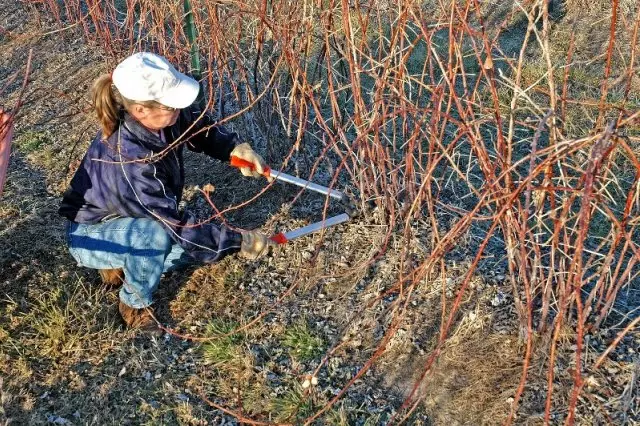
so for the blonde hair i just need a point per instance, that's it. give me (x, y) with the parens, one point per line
(108, 104)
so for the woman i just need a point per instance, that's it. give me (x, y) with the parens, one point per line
(122, 204)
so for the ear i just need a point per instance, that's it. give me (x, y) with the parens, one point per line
(140, 111)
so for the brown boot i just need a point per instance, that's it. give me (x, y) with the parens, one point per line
(112, 277)
(139, 319)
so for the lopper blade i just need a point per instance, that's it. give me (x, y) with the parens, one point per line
(281, 176)
(285, 237)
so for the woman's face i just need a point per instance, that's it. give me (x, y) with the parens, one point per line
(154, 118)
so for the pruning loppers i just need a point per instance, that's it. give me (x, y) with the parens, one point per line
(346, 202)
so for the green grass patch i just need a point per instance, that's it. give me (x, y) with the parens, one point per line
(291, 406)
(302, 343)
(43, 151)
(33, 141)
(226, 351)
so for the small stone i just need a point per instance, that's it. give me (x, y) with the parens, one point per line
(498, 299)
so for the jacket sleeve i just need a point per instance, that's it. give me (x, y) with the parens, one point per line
(207, 137)
(148, 197)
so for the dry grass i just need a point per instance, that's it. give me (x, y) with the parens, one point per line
(474, 379)
(220, 282)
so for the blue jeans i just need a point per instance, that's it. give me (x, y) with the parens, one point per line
(141, 247)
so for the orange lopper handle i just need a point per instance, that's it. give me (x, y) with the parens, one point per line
(240, 163)
(279, 238)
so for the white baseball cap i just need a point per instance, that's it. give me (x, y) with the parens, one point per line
(146, 76)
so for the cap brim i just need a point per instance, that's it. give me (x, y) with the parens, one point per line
(183, 94)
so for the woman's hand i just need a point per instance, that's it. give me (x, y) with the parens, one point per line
(255, 245)
(245, 152)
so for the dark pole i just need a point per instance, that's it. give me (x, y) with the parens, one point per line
(190, 30)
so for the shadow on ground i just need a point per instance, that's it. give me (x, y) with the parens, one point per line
(64, 354)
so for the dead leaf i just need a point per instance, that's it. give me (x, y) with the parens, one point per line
(591, 382)
(488, 63)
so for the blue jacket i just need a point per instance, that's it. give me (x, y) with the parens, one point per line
(117, 178)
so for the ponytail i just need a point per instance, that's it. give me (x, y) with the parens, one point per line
(106, 105)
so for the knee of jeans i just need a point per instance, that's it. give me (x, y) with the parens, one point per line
(155, 233)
